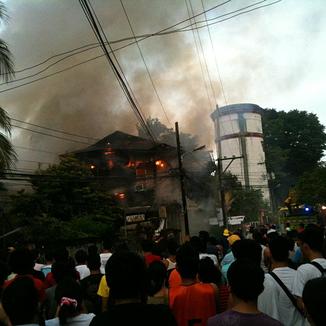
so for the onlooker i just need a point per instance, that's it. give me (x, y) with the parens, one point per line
(191, 302)
(209, 273)
(46, 269)
(81, 260)
(277, 299)
(246, 283)
(156, 290)
(126, 278)
(147, 246)
(314, 298)
(91, 283)
(68, 295)
(311, 244)
(105, 254)
(21, 263)
(170, 261)
(20, 302)
(228, 259)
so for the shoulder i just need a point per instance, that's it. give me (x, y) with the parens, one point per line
(52, 322)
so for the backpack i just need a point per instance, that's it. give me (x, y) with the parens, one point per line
(319, 267)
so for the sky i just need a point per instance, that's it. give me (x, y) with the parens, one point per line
(273, 57)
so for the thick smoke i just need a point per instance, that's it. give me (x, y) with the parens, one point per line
(87, 100)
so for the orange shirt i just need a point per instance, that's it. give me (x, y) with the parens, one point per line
(174, 279)
(192, 305)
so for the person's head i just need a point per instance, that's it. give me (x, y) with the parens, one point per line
(61, 270)
(198, 244)
(92, 250)
(81, 257)
(314, 297)
(125, 274)
(258, 236)
(48, 256)
(94, 262)
(147, 245)
(21, 261)
(208, 272)
(279, 249)
(246, 280)
(20, 301)
(187, 259)
(311, 240)
(156, 275)
(68, 295)
(60, 254)
(107, 244)
(172, 247)
(232, 239)
(247, 249)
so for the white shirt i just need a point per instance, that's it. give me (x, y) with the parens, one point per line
(104, 258)
(274, 302)
(212, 257)
(80, 320)
(83, 271)
(305, 273)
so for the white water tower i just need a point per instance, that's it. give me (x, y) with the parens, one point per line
(238, 132)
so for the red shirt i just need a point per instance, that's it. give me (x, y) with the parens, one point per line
(192, 304)
(149, 258)
(39, 285)
(174, 279)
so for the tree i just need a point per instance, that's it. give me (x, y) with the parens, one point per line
(294, 142)
(66, 204)
(7, 153)
(311, 187)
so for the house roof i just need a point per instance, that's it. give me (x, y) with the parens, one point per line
(123, 141)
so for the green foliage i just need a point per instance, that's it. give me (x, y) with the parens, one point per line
(66, 204)
(311, 187)
(294, 142)
(248, 202)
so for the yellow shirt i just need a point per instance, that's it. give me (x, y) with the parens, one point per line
(103, 289)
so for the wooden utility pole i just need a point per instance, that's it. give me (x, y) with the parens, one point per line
(182, 185)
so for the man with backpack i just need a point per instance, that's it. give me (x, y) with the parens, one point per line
(277, 299)
(311, 242)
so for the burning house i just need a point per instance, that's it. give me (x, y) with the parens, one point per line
(144, 178)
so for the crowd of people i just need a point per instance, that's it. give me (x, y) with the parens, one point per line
(263, 278)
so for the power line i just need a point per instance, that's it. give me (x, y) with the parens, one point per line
(140, 38)
(55, 130)
(49, 135)
(35, 150)
(96, 45)
(97, 29)
(145, 64)
(214, 52)
(200, 63)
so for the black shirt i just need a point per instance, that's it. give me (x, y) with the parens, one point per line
(135, 314)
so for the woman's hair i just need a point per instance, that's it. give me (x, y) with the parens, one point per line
(68, 296)
(156, 275)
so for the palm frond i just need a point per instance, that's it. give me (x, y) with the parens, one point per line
(5, 123)
(6, 62)
(7, 153)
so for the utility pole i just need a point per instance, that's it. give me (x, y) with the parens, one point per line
(182, 185)
(220, 173)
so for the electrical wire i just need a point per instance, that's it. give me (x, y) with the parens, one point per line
(96, 27)
(35, 150)
(200, 63)
(49, 135)
(145, 64)
(54, 130)
(141, 38)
